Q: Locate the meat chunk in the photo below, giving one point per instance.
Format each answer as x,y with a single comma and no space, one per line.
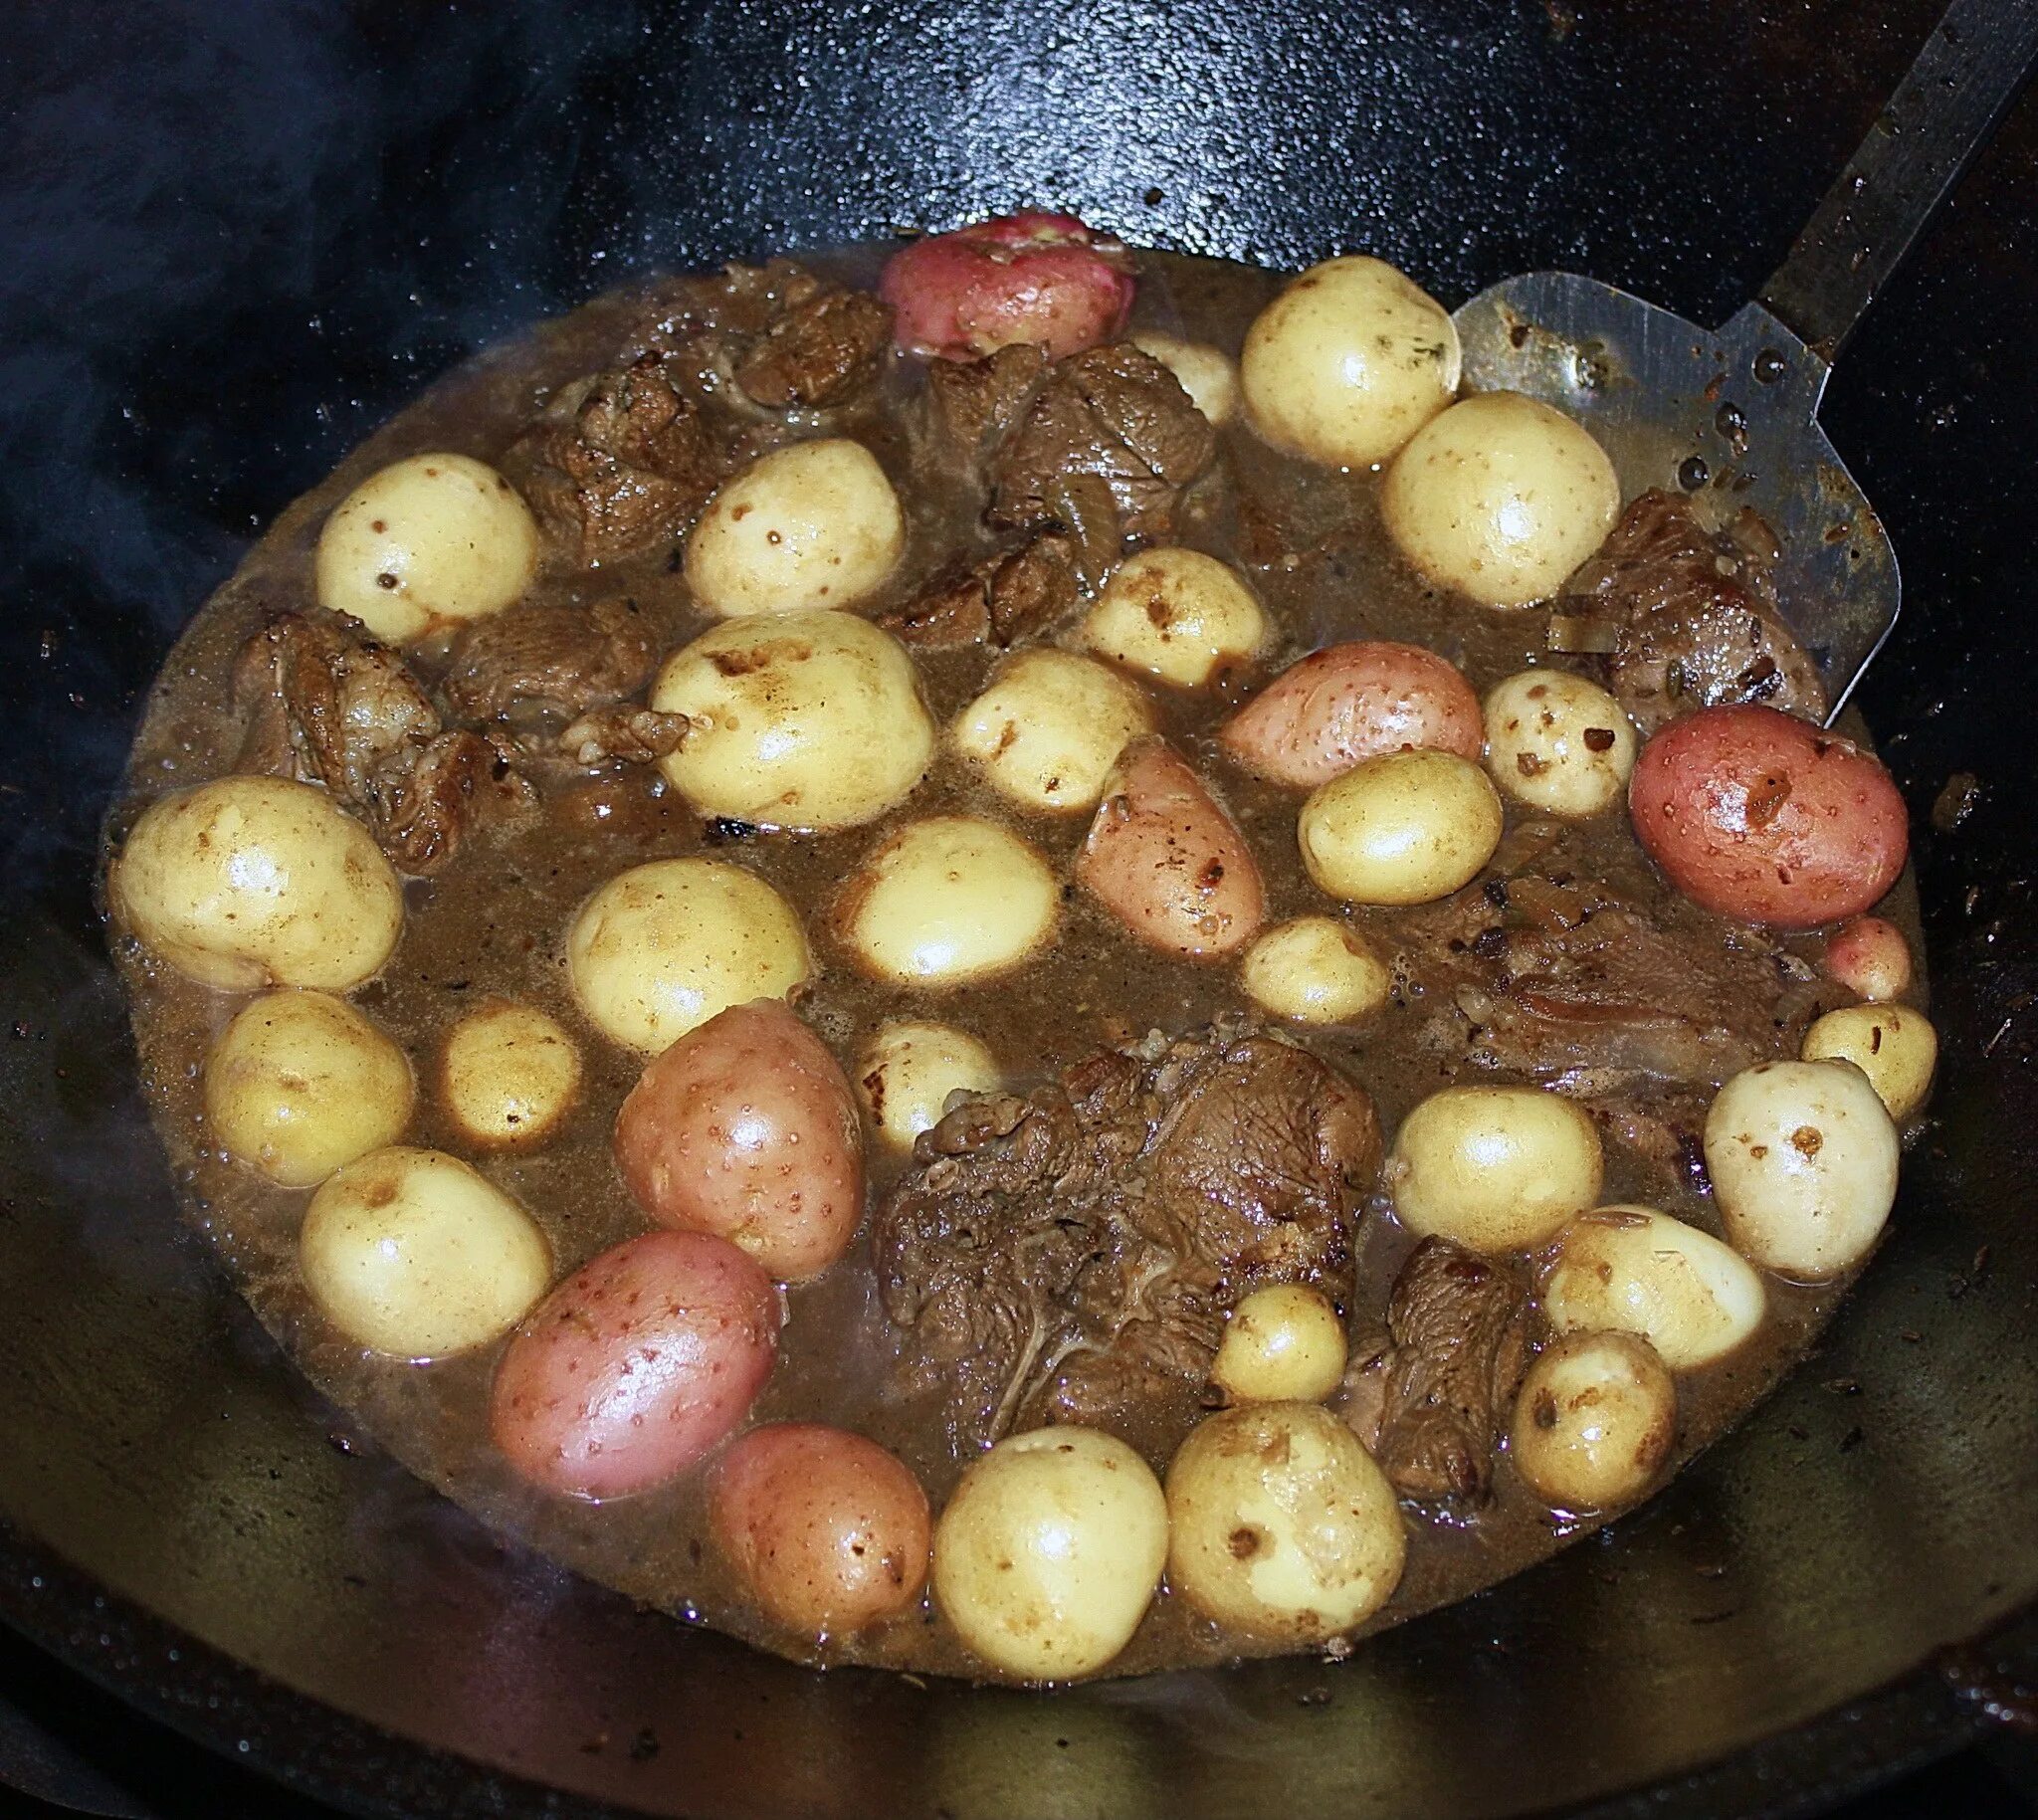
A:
972,403
819,353
630,465
622,736
326,707
1457,1345
1114,422
1072,1252
1010,599
563,659
1692,617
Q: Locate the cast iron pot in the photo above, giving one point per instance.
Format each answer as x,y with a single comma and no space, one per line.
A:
236,237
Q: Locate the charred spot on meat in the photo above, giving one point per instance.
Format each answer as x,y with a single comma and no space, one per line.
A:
1071,1253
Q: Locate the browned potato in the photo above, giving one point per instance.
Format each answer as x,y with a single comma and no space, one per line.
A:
829,1531
1167,862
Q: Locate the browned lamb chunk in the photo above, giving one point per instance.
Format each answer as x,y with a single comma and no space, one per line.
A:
972,403
819,353
1072,1252
1694,619
564,659
1011,599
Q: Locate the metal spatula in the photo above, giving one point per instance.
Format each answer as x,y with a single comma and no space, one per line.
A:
1732,415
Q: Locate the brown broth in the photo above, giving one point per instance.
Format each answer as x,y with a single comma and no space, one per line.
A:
493,923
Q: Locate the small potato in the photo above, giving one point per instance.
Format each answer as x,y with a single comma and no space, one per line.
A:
801,530
745,1127
1049,1551
804,720
1501,498
251,882
1803,1160
1208,376
1347,363
413,1253
1167,862
660,948
1030,278
1558,743
1348,702
1284,1344
1637,1271
636,1366
510,1074
1050,727
300,1083
1765,818
1893,1045
909,1070
1177,615
1871,958
1494,1169
947,900
1316,970
828,1531
1281,1523
424,543
1595,1422
1402,828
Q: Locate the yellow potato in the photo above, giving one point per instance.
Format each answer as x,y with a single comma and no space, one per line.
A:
1284,1344
1177,615
510,1074
949,898
300,1083
1347,363
1558,743
250,882
1401,828
907,1071
1501,498
1049,1551
1281,1523
413,1253
1803,1160
1050,727
1316,970
1208,376
1637,1271
803,721
426,541
662,947
1494,1169
1595,1422
800,529
1895,1046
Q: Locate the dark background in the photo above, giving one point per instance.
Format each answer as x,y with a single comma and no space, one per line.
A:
234,236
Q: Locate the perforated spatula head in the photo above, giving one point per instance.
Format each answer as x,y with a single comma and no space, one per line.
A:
1731,416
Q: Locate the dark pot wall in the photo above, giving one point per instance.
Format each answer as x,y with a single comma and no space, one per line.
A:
234,237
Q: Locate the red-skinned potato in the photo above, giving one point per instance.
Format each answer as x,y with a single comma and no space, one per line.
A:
829,1531
1760,816
1031,276
1350,702
1166,860
1871,958
747,1127
636,1366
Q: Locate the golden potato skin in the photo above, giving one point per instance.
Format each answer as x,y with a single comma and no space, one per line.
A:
1167,862
434,539
1895,1046
1316,970
806,529
1638,1271
415,1253
1281,1525
1176,615
509,1075
1284,1344
811,722
1403,828
300,1083
251,882
907,1070
1048,1553
660,948
1500,497
1558,743
1494,1169
948,899
1347,362
1049,727
1595,1422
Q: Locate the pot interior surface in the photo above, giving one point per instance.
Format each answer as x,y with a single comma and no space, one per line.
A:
240,238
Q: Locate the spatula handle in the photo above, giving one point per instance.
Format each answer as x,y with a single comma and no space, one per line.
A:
1968,73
